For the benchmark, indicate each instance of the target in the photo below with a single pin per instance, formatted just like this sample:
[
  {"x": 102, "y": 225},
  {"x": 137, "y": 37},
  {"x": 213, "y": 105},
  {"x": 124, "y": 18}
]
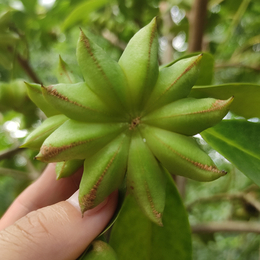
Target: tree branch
[
  {"x": 237, "y": 65},
  {"x": 167, "y": 24},
  {"x": 228, "y": 226},
  {"x": 247, "y": 197},
  {"x": 14, "y": 173},
  {"x": 28, "y": 69},
  {"x": 113, "y": 39},
  {"x": 10, "y": 152},
  {"x": 197, "y": 21}
]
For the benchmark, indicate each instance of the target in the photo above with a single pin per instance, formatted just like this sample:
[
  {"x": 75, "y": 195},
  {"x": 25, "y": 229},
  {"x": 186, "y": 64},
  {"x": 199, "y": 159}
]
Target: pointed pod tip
[
  {"x": 86, "y": 201},
  {"x": 198, "y": 58},
  {"x": 223, "y": 105},
  {"x": 157, "y": 218},
  {"x": 227, "y": 103},
  {"x": 58, "y": 178},
  {"x": 23, "y": 145},
  {"x": 29, "y": 85},
  {"x": 44, "y": 89},
  {"x": 160, "y": 222},
  {"x": 223, "y": 173},
  {"x": 154, "y": 20},
  {"x": 230, "y": 100},
  {"x": 39, "y": 157},
  {"x": 153, "y": 23},
  {"x": 82, "y": 35}
]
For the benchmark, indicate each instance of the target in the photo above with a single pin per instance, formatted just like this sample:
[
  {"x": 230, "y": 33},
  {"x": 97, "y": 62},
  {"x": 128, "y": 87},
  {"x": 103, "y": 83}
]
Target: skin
[{"x": 45, "y": 221}]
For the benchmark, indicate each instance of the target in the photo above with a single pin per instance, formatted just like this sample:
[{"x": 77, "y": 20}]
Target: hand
[{"x": 36, "y": 228}]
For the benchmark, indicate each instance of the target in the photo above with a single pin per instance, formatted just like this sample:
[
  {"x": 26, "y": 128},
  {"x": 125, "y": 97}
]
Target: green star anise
[{"x": 128, "y": 119}]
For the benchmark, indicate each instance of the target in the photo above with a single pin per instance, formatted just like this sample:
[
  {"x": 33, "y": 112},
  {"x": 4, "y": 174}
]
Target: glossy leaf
[
  {"x": 238, "y": 141},
  {"x": 134, "y": 236},
  {"x": 246, "y": 97}
]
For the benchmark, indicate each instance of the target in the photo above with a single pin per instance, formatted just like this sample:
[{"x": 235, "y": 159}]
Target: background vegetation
[{"x": 34, "y": 33}]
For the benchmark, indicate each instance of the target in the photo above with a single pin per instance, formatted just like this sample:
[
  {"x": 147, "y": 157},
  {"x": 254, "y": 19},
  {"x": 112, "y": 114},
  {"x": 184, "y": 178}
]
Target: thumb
[{"x": 56, "y": 232}]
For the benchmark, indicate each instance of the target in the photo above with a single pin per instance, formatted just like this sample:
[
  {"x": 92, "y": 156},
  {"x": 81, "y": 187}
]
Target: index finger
[{"x": 45, "y": 191}]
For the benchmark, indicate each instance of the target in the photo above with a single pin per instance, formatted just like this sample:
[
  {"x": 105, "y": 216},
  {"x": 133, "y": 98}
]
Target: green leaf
[
  {"x": 82, "y": 12},
  {"x": 8, "y": 39},
  {"x": 5, "y": 18},
  {"x": 246, "y": 97},
  {"x": 134, "y": 236},
  {"x": 206, "y": 67},
  {"x": 238, "y": 141},
  {"x": 29, "y": 5},
  {"x": 6, "y": 59}
]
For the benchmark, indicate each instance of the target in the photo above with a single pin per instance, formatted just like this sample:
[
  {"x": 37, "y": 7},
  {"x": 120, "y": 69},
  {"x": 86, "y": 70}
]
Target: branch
[
  {"x": 24, "y": 63},
  {"x": 237, "y": 65},
  {"x": 14, "y": 173},
  {"x": 247, "y": 197},
  {"x": 167, "y": 24},
  {"x": 113, "y": 39},
  {"x": 197, "y": 21},
  {"x": 10, "y": 152},
  {"x": 28, "y": 69},
  {"x": 228, "y": 226}
]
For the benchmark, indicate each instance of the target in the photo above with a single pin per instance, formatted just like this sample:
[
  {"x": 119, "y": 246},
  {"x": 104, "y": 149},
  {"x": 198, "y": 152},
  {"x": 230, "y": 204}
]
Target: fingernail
[
  {"x": 74, "y": 201},
  {"x": 97, "y": 208}
]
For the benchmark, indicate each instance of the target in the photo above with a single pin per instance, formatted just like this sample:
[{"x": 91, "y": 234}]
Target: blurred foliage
[{"x": 34, "y": 33}]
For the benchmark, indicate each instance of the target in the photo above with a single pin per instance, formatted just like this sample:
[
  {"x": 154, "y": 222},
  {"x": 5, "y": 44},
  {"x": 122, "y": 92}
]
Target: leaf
[
  {"x": 246, "y": 97},
  {"x": 134, "y": 236},
  {"x": 206, "y": 67},
  {"x": 8, "y": 39},
  {"x": 120, "y": 201},
  {"x": 238, "y": 141},
  {"x": 6, "y": 59},
  {"x": 5, "y": 18},
  {"x": 29, "y": 5},
  {"x": 82, "y": 11}
]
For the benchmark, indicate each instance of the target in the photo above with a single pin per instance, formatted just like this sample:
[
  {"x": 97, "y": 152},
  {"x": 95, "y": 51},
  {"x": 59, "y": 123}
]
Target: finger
[
  {"x": 43, "y": 192},
  {"x": 55, "y": 232}
]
